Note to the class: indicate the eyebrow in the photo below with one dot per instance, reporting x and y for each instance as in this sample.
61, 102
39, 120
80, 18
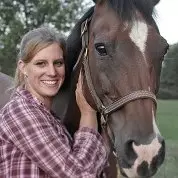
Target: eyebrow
59, 59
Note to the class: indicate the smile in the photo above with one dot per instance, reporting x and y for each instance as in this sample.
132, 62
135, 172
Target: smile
50, 82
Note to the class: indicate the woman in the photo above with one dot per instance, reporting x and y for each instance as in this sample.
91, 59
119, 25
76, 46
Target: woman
33, 142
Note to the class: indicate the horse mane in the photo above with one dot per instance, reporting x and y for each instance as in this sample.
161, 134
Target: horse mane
74, 43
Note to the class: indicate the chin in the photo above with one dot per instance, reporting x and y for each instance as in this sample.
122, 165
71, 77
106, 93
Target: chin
50, 93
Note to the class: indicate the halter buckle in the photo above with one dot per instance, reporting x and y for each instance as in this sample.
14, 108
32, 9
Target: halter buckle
103, 115
103, 120
86, 53
84, 28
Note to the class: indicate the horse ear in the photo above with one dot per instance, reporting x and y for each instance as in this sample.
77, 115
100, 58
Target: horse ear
155, 2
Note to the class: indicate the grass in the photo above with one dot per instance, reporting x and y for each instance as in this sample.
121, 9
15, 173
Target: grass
167, 116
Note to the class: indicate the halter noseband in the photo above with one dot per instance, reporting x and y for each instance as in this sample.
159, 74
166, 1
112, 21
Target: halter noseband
102, 109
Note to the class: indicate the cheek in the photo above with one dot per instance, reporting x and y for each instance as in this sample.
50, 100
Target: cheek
35, 73
61, 71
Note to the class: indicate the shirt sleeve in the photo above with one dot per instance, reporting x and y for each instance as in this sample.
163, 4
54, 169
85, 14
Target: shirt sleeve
32, 132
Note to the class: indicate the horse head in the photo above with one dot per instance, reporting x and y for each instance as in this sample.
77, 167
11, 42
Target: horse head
125, 53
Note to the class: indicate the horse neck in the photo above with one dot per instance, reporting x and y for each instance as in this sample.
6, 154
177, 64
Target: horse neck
65, 106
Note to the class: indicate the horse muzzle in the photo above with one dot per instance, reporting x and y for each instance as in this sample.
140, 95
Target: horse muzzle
141, 160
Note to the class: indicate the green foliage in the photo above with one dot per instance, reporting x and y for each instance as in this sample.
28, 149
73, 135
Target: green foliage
169, 77
19, 16
170, 71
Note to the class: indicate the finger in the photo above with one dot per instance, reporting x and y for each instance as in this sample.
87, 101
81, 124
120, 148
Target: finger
80, 76
80, 79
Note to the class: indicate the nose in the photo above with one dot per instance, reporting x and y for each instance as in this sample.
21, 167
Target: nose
145, 159
129, 152
51, 70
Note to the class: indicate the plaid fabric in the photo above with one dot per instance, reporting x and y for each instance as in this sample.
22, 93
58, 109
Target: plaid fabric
34, 144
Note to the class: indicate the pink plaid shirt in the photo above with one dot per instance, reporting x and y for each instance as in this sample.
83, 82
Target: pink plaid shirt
35, 144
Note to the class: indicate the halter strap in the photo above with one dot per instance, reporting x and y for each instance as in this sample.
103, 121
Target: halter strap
140, 94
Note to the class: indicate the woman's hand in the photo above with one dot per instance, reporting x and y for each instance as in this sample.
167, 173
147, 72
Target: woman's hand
88, 114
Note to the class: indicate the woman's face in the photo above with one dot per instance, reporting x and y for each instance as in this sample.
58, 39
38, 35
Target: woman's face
45, 73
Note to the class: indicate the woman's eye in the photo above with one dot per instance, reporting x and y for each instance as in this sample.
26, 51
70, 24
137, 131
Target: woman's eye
41, 64
101, 49
59, 63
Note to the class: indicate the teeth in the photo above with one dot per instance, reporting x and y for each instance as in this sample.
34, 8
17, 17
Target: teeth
50, 82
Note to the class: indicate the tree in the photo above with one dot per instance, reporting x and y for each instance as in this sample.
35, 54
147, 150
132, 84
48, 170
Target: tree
19, 16
169, 77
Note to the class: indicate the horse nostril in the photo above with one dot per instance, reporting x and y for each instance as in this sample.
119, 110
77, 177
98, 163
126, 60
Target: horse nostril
144, 170
129, 151
161, 141
162, 149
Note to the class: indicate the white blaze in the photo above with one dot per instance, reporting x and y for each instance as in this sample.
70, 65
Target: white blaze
139, 34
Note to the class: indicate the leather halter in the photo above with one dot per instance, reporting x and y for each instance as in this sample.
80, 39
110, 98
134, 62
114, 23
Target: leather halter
101, 108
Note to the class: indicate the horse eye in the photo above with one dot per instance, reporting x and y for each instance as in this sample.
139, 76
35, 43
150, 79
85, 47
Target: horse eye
101, 49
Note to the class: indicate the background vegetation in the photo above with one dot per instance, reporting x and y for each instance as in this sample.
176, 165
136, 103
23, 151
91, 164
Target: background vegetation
169, 77
19, 16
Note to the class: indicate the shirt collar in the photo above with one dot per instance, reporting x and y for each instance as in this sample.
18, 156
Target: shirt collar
27, 95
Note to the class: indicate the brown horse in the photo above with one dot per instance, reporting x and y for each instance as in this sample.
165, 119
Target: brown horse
5, 92
121, 56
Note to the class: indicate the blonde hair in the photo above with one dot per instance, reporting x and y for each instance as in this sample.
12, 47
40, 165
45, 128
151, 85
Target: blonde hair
31, 43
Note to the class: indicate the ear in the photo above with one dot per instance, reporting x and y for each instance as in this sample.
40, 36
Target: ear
155, 2
21, 66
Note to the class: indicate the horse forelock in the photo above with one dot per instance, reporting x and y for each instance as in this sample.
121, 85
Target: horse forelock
127, 9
